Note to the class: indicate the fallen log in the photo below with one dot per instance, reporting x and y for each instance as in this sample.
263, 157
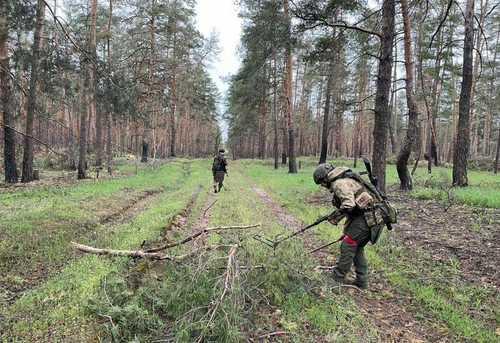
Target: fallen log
141, 253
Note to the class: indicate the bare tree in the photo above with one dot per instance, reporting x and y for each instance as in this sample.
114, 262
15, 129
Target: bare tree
292, 163
30, 113
9, 148
413, 111
382, 113
461, 153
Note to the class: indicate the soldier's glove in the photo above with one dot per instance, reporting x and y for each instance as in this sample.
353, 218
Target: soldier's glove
336, 217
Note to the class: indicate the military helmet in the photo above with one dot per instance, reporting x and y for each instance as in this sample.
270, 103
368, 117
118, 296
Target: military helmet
222, 151
322, 172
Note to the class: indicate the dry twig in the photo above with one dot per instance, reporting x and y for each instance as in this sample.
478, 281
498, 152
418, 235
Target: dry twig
230, 276
199, 233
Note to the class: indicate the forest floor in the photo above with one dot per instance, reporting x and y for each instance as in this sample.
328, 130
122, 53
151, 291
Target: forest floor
433, 278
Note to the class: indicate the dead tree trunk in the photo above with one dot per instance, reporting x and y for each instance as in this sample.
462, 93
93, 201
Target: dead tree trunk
461, 153
9, 135
411, 132
382, 114
326, 114
31, 108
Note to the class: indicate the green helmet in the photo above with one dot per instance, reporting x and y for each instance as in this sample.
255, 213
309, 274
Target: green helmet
321, 172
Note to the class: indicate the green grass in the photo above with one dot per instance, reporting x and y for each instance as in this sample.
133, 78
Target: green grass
56, 309
451, 309
73, 297
43, 219
284, 293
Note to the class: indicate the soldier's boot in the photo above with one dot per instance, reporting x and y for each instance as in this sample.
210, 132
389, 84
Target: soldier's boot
361, 266
220, 186
347, 252
215, 188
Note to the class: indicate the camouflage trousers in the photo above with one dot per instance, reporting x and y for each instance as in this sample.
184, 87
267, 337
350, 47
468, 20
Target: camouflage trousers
218, 180
352, 250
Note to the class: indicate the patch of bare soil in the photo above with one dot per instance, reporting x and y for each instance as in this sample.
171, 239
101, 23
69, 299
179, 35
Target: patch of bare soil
467, 234
387, 310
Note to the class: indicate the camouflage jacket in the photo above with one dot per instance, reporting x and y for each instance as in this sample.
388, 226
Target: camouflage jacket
348, 193
219, 164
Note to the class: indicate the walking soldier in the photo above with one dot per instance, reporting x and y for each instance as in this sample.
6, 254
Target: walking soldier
219, 170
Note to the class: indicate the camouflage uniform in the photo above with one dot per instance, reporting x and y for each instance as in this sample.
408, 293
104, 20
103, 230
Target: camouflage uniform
219, 170
352, 197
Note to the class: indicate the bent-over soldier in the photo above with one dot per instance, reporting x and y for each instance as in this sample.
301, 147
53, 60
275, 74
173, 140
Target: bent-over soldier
219, 170
363, 222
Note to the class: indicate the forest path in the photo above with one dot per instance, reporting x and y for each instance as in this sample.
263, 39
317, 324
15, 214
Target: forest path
387, 309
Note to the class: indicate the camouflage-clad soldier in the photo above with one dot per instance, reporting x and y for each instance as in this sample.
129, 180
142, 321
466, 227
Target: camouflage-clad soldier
219, 170
354, 200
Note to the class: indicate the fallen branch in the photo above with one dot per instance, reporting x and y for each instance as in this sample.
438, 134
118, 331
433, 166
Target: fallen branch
141, 253
198, 234
230, 276
208, 208
271, 334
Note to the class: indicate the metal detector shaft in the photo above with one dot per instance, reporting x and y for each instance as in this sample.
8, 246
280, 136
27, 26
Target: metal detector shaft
336, 215
327, 245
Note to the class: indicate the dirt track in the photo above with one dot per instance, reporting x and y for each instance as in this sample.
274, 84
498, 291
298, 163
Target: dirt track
388, 311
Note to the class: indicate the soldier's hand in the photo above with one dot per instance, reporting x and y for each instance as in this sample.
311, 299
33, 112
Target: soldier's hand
335, 218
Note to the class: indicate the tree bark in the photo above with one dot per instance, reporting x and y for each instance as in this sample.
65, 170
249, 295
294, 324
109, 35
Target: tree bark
461, 153
27, 175
491, 100
411, 132
9, 135
292, 163
498, 152
382, 114
109, 121
82, 143
275, 111
326, 125
93, 85
474, 117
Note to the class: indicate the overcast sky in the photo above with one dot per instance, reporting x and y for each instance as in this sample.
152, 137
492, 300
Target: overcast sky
221, 16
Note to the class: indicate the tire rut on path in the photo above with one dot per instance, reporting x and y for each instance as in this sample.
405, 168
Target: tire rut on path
125, 214
388, 311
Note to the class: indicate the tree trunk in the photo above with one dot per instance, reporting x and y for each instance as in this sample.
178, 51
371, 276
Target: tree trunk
382, 114
392, 102
82, 146
109, 121
498, 152
292, 163
326, 114
31, 108
461, 153
173, 107
98, 147
9, 135
411, 132
474, 117
275, 111
491, 100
